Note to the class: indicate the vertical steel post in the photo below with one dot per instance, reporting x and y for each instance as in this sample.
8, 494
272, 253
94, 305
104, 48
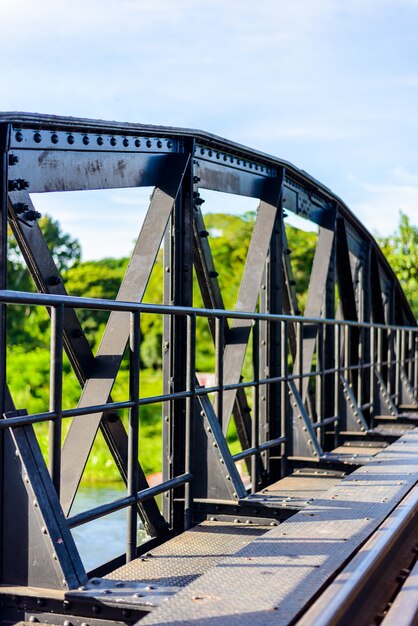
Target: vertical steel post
409, 352
329, 399
178, 290
398, 356
55, 399
4, 152
379, 351
256, 405
133, 433
337, 373
219, 367
319, 383
272, 349
190, 407
346, 352
415, 350
373, 352
4, 155
286, 421
389, 357
299, 354
360, 362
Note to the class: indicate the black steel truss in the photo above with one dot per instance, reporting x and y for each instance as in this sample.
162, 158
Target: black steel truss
352, 357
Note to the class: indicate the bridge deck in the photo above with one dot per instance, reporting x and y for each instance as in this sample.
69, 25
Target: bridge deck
186, 557
270, 580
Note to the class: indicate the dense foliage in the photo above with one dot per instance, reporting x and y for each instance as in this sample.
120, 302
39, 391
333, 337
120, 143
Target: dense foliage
401, 250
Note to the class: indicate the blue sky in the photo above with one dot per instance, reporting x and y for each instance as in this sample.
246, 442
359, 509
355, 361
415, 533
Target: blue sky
331, 86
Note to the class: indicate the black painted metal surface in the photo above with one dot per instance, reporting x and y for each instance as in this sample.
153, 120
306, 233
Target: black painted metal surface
318, 381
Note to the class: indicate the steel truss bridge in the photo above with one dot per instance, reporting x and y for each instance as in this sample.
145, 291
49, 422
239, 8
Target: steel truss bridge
322, 527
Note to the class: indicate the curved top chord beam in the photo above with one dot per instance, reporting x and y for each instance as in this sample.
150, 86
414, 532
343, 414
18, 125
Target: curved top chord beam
223, 165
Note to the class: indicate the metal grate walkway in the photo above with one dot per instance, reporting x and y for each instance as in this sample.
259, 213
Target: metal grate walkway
271, 579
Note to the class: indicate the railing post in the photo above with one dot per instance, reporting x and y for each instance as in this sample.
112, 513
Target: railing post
256, 406
415, 351
398, 356
372, 374
133, 433
286, 423
190, 408
219, 367
337, 368
55, 400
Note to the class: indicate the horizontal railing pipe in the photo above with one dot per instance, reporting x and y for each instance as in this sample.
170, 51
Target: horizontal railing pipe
122, 503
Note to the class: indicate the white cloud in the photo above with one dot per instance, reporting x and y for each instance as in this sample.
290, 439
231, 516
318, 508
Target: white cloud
329, 86
379, 212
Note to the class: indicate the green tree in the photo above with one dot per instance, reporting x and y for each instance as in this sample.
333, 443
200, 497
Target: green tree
95, 279
29, 325
302, 246
65, 249
401, 250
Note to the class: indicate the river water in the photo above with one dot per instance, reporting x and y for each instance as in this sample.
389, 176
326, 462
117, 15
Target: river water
104, 538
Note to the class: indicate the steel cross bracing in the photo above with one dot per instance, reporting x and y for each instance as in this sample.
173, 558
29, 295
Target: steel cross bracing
349, 365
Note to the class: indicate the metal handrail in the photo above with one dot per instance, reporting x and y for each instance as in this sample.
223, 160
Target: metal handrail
57, 303
77, 302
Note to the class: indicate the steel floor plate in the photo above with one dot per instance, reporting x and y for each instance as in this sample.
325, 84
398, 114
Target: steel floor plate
270, 580
296, 490
182, 559
393, 430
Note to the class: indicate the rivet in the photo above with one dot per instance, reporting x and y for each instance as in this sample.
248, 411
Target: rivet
70, 139
149, 143
210, 153
159, 144
169, 144
125, 142
19, 136
54, 138
37, 137
86, 140
113, 141
99, 141
137, 143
